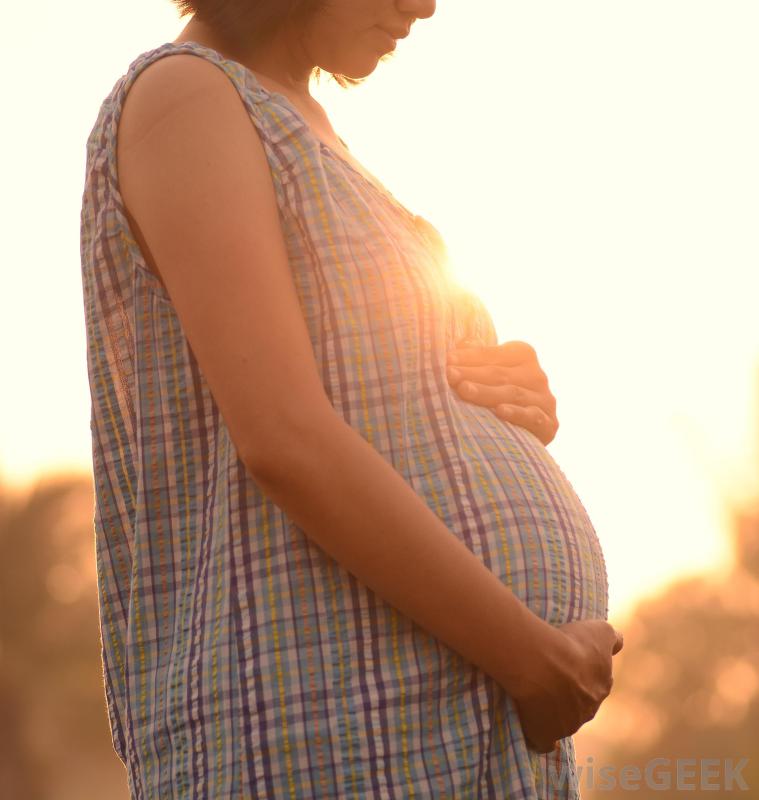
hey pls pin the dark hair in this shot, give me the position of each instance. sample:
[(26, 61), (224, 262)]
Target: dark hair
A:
[(251, 22)]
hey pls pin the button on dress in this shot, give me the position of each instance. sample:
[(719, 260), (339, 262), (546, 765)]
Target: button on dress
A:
[(239, 659)]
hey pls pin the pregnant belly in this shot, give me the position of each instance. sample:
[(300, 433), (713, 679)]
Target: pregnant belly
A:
[(515, 508)]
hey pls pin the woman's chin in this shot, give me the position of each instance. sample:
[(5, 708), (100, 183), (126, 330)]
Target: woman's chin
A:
[(359, 67)]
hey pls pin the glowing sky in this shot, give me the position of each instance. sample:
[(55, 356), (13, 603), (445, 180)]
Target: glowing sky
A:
[(593, 167)]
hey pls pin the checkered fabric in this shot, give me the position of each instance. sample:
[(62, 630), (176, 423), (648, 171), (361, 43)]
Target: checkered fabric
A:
[(239, 659)]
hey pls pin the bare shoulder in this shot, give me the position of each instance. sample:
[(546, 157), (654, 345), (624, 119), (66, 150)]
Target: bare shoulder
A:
[(185, 128), (183, 123), (178, 85)]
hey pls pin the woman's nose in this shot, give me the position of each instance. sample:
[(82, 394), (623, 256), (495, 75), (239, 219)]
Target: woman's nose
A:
[(421, 9)]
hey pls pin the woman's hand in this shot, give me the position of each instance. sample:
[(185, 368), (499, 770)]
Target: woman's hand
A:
[(566, 681), (508, 379)]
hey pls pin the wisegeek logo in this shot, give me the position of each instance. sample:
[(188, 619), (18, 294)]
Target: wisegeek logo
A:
[(658, 774)]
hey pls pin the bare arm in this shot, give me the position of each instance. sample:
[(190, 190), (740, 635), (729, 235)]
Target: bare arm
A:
[(194, 175)]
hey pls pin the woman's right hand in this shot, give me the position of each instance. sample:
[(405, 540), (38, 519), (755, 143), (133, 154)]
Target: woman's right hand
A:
[(568, 681)]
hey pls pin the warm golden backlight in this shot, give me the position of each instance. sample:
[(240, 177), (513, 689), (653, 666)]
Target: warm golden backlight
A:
[(593, 169)]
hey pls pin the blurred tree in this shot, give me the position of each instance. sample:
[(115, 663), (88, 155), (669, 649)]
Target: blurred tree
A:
[(54, 737), (686, 685)]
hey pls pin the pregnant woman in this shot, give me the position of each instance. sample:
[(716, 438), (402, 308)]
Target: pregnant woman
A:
[(323, 572)]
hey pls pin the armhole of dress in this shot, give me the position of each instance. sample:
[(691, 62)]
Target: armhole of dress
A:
[(143, 272)]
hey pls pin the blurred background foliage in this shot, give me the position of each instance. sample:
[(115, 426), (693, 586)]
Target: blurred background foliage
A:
[(54, 738), (686, 682)]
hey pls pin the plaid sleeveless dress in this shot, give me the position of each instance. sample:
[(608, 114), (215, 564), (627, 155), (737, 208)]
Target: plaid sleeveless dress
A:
[(239, 660)]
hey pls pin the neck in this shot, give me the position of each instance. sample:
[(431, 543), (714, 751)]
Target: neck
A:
[(282, 62)]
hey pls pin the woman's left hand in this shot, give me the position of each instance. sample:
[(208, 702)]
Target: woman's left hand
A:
[(508, 379)]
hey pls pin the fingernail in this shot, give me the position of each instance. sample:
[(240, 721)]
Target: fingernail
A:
[(453, 358), (453, 374), (469, 388)]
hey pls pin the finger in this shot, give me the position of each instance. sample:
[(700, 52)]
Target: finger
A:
[(497, 375), (508, 394), (509, 354), (618, 643), (543, 746), (532, 419)]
